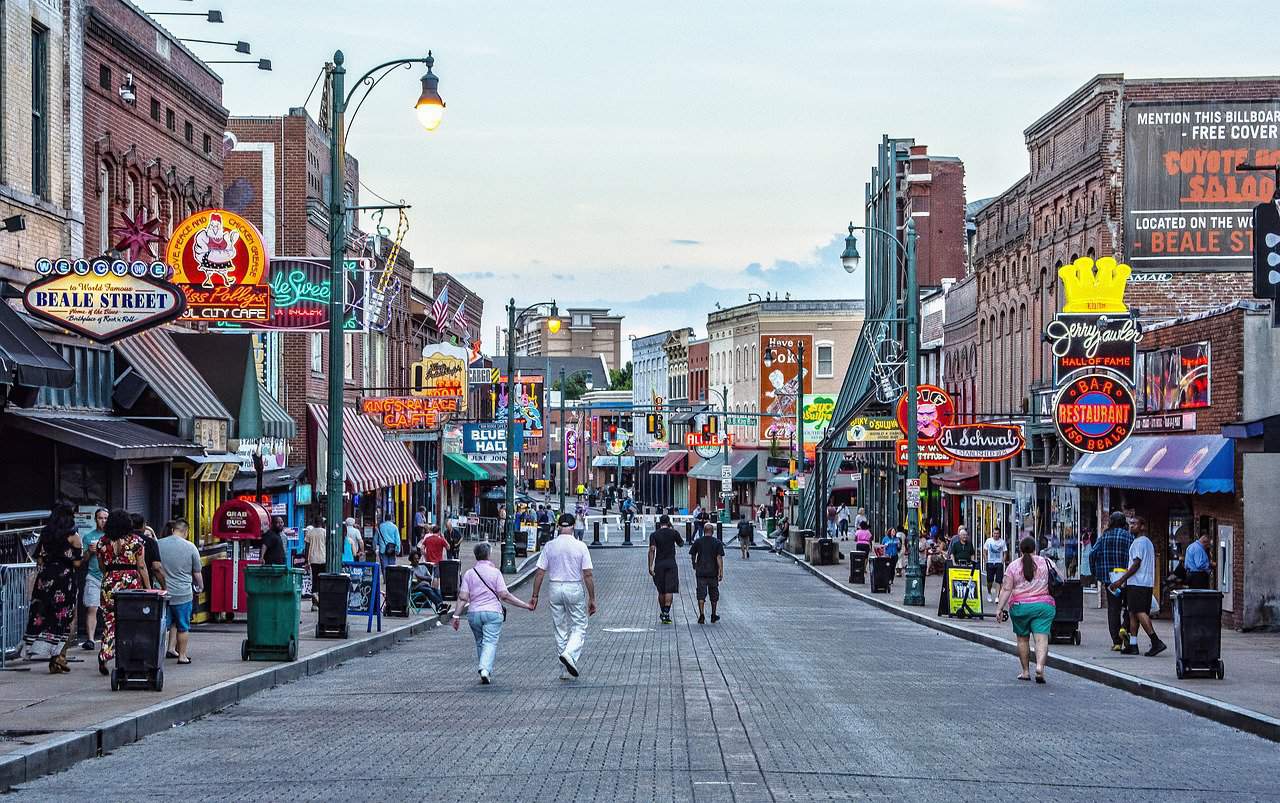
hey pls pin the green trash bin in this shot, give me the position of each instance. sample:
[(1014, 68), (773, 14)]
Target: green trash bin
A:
[(770, 524), (275, 607)]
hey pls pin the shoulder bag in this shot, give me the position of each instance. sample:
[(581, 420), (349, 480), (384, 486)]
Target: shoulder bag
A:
[(1055, 579), (480, 577)]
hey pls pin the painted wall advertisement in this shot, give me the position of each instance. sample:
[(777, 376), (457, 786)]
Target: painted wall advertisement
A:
[(781, 384), (1186, 204)]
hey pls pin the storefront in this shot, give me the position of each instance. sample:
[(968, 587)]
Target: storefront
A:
[(746, 481), (674, 466), (956, 485)]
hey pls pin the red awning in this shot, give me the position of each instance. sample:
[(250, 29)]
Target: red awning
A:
[(960, 477), (369, 461), (674, 463)]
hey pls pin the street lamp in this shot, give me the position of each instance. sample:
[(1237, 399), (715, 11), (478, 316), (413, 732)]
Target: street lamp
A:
[(513, 321), (914, 592), (563, 429), (339, 100), (723, 393), (798, 353)]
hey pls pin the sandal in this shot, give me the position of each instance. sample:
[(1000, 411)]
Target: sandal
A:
[(1039, 677), (1024, 677), (184, 661), (170, 654)]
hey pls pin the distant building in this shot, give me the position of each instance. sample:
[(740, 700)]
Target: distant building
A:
[(584, 332)]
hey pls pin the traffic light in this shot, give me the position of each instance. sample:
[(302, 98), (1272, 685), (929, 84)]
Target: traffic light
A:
[(613, 430)]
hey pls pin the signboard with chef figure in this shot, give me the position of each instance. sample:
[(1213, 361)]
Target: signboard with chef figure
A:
[(220, 262)]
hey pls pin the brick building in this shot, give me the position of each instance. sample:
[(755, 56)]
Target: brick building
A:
[(932, 190), (699, 352)]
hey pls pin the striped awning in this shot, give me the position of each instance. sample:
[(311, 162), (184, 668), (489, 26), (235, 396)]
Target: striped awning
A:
[(157, 360), (369, 461), (276, 423)]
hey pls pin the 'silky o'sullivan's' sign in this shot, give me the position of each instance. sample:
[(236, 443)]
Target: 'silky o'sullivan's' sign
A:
[(1094, 412), (220, 262), (982, 443), (103, 299)]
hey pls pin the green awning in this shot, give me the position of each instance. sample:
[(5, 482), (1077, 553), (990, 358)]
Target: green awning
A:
[(743, 466), (457, 467)]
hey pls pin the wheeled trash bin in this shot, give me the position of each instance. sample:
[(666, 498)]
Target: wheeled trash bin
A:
[(142, 627), (450, 574), (398, 579), (1197, 633), (1068, 613), (881, 575), (333, 589), (858, 567), (275, 606)]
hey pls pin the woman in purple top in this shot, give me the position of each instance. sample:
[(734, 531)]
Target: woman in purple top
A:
[(481, 592)]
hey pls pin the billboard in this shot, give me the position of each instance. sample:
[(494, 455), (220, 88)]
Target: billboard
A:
[(780, 383), (818, 410), (219, 262), (490, 439), (298, 290), (1187, 207), (493, 404), (441, 373)]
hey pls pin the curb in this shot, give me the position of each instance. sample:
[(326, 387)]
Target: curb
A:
[(63, 751), (1225, 713)]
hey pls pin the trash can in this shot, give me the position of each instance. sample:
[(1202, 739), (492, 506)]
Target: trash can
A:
[(798, 536), (397, 579), (858, 567), (1068, 613), (275, 606), (450, 574), (881, 575), (827, 552), (1197, 632), (770, 524), (332, 619), (142, 626)]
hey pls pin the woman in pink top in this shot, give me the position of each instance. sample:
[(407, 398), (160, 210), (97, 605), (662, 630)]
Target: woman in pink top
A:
[(481, 592), (1025, 599), (862, 538)]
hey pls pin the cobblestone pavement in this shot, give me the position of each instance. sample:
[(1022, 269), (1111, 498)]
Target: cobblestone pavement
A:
[(799, 694)]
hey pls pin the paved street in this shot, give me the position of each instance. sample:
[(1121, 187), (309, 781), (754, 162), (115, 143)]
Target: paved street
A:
[(799, 694)]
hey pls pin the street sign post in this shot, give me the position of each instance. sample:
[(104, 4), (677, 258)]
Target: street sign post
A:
[(913, 492)]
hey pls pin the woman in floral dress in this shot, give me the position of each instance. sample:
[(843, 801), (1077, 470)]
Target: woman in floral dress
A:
[(120, 553), (53, 598)]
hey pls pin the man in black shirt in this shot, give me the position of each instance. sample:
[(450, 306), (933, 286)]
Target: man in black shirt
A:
[(961, 549), (707, 554), (273, 543), (746, 534), (662, 565)]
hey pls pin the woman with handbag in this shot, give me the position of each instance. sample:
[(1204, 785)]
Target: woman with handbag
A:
[(481, 592), (1026, 598)]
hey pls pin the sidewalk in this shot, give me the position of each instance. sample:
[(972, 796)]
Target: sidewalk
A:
[(47, 718), (1252, 659)]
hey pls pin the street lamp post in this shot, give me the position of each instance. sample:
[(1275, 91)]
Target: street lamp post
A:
[(513, 320), (564, 430), (723, 393), (430, 109), (798, 352), (914, 592)]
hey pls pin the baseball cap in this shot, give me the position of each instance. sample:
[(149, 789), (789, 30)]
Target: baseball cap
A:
[(566, 520)]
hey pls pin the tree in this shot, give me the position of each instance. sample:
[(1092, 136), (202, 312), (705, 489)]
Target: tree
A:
[(574, 386), (620, 378)]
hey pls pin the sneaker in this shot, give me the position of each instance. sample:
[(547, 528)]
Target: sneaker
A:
[(666, 620), (1124, 636), (484, 677), (88, 646), (1129, 649), (702, 620), (1117, 647), (715, 617), (1157, 647), (568, 664)]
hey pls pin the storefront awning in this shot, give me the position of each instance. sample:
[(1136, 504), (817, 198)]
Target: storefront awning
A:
[(494, 472), (155, 358), (276, 423), (1187, 464), (369, 461), (743, 466), (107, 436), (457, 467), (611, 461), (274, 479), (960, 477), (25, 359), (674, 464)]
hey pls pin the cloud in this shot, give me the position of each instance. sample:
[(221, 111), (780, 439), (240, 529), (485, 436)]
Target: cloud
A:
[(820, 270), (564, 277), (476, 275), (686, 242)]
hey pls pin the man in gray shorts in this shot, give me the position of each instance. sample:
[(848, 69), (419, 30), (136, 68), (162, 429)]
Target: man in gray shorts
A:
[(707, 554)]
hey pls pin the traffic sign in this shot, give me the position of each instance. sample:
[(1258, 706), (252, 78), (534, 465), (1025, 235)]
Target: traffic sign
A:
[(726, 472), (913, 493)]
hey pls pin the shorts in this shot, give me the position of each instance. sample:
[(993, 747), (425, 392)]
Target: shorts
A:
[(1137, 598), (1032, 617), (667, 579), (995, 573), (92, 591), (180, 616), (709, 587)]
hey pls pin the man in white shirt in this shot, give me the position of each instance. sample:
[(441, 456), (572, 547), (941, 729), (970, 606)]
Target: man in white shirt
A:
[(994, 547), (566, 563), (1139, 582)]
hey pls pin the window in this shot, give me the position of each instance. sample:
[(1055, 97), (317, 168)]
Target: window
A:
[(826, 360), (349, 353), (104, 76), (168, 119), (208, 144), (104, 208), (130, 189), (317, 352), (155, 110), (188, 133), (153, 203), (40, 112)]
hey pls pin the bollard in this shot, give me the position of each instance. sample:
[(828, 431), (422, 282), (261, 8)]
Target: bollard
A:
[(595, 533), (688, 531), (626, 533), (720, 530)]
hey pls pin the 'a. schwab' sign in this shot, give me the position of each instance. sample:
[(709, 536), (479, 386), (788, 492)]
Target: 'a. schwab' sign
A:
[(982, 443), (103, 299)]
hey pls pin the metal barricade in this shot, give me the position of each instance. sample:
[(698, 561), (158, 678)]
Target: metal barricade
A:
[(16, 580), (485, 528)]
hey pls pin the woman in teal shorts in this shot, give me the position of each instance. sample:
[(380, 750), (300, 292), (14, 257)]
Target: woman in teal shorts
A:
[(1025, 599)]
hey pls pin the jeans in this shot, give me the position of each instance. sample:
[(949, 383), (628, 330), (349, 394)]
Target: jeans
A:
[(425, 590), (1115, 611), (486, 626), (569, 616)]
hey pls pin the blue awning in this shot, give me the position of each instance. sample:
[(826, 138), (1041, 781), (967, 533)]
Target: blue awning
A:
[(611, 461), (1185, 464)]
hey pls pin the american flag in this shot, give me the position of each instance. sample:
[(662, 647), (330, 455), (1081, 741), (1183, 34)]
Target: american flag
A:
[(440, 309), (460, 322)]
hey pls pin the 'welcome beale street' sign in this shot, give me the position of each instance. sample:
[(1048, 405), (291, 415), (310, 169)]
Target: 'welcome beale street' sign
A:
[(103, 300)]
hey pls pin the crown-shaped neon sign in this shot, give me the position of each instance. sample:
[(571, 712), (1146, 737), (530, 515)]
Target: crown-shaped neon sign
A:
[(1088, 290)]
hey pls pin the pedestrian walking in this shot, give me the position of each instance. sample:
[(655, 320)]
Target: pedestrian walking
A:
[(994, 548), (434, 547), (92, 596), (1107, 561), (181, 561), (151, 550), (663, 567), (842, 521), (892, 545), (862, 539), (273, 553), (1139, 582), (1026, 601), (315, 538), (961, 550), (453, 537), (746, 536), (386, 541), (122, 555), (420, 517), (566, 563), (861, 519), (481, 593), (707, 554), (52, 611), (352, 543)]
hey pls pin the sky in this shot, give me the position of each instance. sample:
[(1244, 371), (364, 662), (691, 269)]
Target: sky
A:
[(660, 158)]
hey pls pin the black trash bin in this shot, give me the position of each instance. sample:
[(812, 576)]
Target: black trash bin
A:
[(858, 567), (333, 589), (450, 574), (397, 579), (881, 575), (827, 551), (142, 626), (1197, 633), (1068, 613)]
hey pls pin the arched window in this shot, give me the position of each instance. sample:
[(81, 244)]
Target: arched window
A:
[(130, 193), (104, 207), (153, 202)]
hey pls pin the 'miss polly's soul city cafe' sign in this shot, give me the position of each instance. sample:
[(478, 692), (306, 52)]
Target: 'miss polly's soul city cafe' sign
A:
[(103, 299)]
